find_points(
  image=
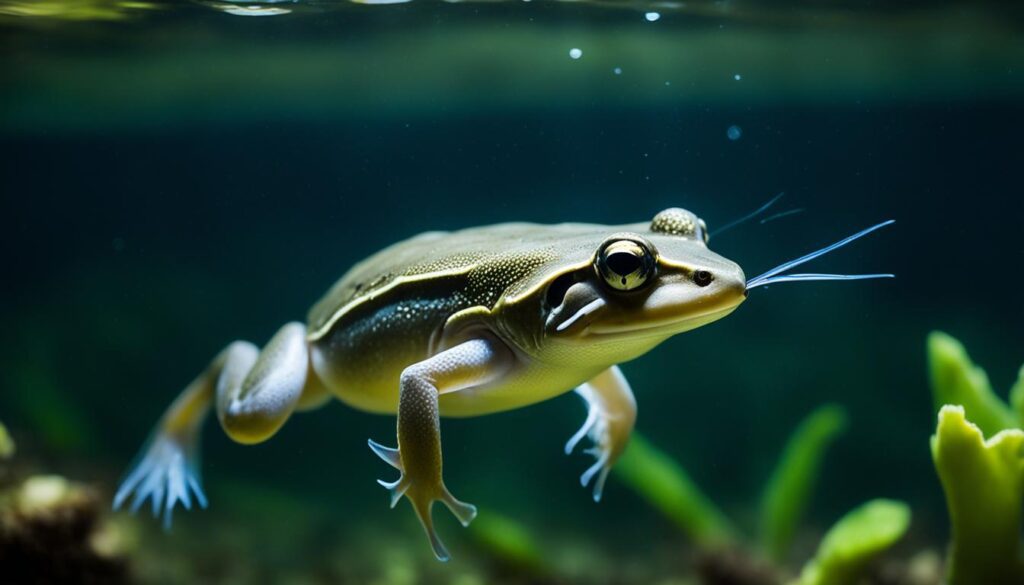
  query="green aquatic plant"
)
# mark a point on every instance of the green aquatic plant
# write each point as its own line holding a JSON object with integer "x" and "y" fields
{"x": 955, "y": 379}
{"x": 983, "y": 480}
{"x": 509, "y": 542}
{"x": 662, "y": 482}
{"x": 39, "y": 397}
{"x": 6, "y": 443}
{"x": 984, "y": 486}
{"x": 789, "y": 489}
{"x": 853, "y": 542}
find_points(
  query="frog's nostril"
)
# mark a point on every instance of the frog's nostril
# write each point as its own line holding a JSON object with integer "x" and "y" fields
{"x": 702, "y": 277}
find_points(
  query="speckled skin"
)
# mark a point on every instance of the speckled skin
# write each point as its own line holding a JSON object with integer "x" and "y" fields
{"x": 464, "y": 324}
{"x": 494, "y": 318}
{"x": 417, "y": 297}
{"x": 460, "y": 324}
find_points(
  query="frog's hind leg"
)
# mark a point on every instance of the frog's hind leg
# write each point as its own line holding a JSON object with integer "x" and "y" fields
{"x": 611, "y": 414}
{"x": 166, "y": 470}
{"x": 258, "y": 390}
{"x": 418, "y": 456}
{"x": 255, "y": 393}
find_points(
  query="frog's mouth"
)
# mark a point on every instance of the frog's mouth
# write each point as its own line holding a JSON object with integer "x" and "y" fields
{"x": 656, "y": 328}
{"x": 669, "y": 309}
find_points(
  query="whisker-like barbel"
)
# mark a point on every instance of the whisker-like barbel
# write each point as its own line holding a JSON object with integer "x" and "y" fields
{"x": 538, "y": 310}
{"x": 748, "y": 216}
{"x": 775, "y": 274}
{"x": 800, "y": 277}
{"x": 781, "y": 215}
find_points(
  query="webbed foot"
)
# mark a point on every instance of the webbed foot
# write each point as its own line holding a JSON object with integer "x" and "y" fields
{"x": 422, "y": 495}
{"x": 166, "y": 474}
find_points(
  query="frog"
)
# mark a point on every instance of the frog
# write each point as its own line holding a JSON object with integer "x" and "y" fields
{"x": 464, "y": 324}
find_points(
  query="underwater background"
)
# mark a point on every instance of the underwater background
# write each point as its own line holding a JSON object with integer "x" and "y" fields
{"x": 175, "y": 176}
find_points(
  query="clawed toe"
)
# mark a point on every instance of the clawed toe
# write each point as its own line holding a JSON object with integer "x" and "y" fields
{"x": 389, "y": 455}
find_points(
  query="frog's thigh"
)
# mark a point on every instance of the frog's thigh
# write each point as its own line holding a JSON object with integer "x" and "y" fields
{"x": 258, "y": 390}
{"x": 611, "y": 414}
{"x": 469, "y": 364}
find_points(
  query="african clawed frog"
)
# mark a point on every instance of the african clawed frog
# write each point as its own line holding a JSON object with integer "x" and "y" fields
{"x": 462, "y": 324}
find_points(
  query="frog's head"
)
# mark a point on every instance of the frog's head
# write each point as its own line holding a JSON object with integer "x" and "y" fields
{"x": 642, "y": 285}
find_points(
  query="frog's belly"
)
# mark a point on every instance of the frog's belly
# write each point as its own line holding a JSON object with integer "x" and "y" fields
{"x": 376, "y": 389}
{"x": 528, "y": 383}
{"x": 361, "y": 364}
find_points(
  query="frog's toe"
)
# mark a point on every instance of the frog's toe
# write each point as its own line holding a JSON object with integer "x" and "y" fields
{"x": 588, "y": 425}
{"x": 423, "y": 504}
{"x": 388, "y": 454}
{"x": 600, "y": 469}
{"x": 391, "y": 456}
{"x": 422, "y": 495}
{"x": 167, "y": 475}
{"x": 463, "y": 511}
{"x": 396, "y": 489}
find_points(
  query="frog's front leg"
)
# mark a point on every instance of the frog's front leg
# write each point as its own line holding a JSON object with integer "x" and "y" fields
{"x": 470, "y": 364}
{"x": 611, "y": 414}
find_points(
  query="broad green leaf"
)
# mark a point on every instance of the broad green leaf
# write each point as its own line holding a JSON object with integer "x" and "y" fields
{"x": 1017, "y": 398}
{"x": 984, "y": 486}
{"x": 956, "y": 380}
{"x": 853, "y": 542}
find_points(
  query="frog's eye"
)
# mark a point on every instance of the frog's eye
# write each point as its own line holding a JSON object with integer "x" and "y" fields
{"x": 625, "y": 264}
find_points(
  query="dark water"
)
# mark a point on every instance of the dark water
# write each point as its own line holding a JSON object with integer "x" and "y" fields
{"x": 180, "y": 177}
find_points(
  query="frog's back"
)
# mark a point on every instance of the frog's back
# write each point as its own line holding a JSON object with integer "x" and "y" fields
{"x": 478, "y": 265}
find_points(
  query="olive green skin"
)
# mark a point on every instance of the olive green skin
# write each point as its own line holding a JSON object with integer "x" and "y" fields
{"x": 426, "y": 294}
